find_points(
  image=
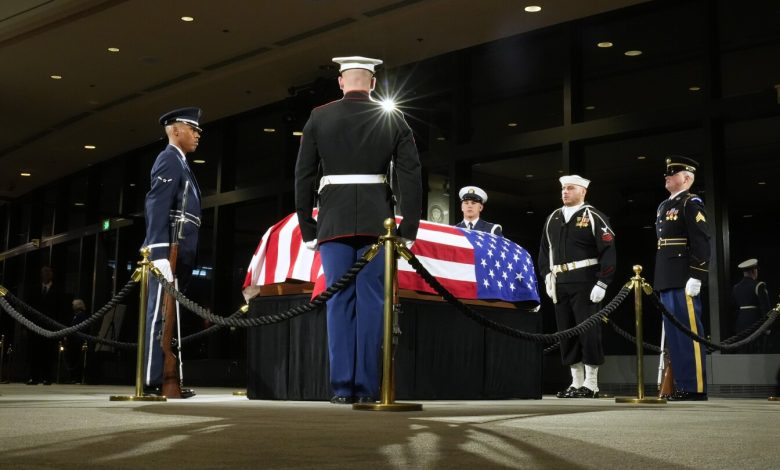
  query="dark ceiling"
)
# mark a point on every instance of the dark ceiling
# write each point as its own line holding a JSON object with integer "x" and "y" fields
{"x": 236, "y": 55}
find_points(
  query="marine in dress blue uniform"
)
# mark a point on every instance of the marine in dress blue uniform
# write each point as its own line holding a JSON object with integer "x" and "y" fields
{"x": 577, "y": 259}
{"x": 472, "y": 201}
{"x": 681, "y": 267}
{"x": 170, "y": 176}
{"x": 353, "y": 141}
{"x": 751, "y": 299}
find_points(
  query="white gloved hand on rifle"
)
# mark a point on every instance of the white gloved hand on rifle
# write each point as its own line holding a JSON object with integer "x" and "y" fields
{"x": 597, "y": 294}
{"x": 165, "y": 268}
{"x": 549, "y": 285}
{"x": 311, "y": 244}
{"x": 692, "y": 287}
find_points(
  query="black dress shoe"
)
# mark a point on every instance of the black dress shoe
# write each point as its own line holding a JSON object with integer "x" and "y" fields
{"x": 365, "y": 400}
{"x": 566, "y": 393}
{"x": 584, "y": 392}
{"x": 187, "y": 393}
{"x": 682, "y": 395}
{"x": 340, "y": 400}
{"x": 32, "y": 382}
{"x": 152, "y": 391}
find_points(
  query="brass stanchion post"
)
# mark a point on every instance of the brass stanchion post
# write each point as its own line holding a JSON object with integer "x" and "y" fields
{"x": 2, "y": 357}
{"x": 638, "y": 283}
{"x": 242, "y": 393}
{"x": 141, "y": 275}
{"x": 60, "y": 350}
{"x": 387, "y": 394}
{"x": 84, "y": 349}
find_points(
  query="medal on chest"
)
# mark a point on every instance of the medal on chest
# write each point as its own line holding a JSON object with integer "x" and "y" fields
{"x": 582, "y": 222}
{"x": 672, "y": 214}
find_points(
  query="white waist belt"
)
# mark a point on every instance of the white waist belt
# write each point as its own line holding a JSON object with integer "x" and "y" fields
{"x": 351, "y": 179}
{"x": 562, "y": 268}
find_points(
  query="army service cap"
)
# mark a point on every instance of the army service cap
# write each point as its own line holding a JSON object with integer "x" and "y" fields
{"x": 676, "y": 164}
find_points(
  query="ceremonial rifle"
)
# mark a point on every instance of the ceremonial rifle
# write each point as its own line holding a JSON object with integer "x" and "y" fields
{"x": 171, "y": 382}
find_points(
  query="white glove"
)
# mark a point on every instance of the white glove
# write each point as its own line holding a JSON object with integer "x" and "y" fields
{"x": 549, "y": 285}
{"x": 537, "y": 308}
{"x": 165, "y": 268}
{"x": 692, "y": 287}
{"x": 409, "y": 243}
{"x": 597, "y": 294}
{"x": 311, "y": 244}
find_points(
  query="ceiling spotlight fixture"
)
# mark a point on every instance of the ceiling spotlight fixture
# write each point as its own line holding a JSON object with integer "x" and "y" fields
{"x": 55, "y": 77}
{"x": 694, "y": 88}
{"x": 269, "y": 129}
{"x": 90, "y": 147}
{"x": 199, "y": 162}
{"x": 298, "y": 133}
{"x": 533, "y": 9}
{"x": 78, "y": 204}
{"x": 187, "y": 19}
{"x": 605, "y": 44}
{"x": 747, "y": 216}
{"x": 529, "y": 212}
{"x": 113, "y": 49}
{"x": 24, "y": 173}
{"x": 590, "y": 108}
{"x": 511, "y": 124}
{"x": 761, "y": 183}
{"x": 641, "y": 157}
{"x": 440, "y": 138}
{"x": 132, "y": 185}
{"x": 632, "y": 53}
{"x": 529, "y": 176}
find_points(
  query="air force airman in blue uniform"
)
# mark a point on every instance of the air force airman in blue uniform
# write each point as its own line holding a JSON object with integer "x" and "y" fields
{"x": 472, "y": 201}
{"x": 172, "y": 182}
{"x": 681, "y": 266}
{"x": 353, "y": 141}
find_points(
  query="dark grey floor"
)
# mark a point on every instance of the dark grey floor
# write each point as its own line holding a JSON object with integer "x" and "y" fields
{"x": 73, "y": 426}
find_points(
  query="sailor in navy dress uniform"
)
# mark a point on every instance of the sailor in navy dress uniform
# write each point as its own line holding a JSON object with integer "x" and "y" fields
{"x": 751, "y": 299}
{"x": 170, "y": 176}
{"x": 577, "y": 260}
{"x": 472, "y": 201}
{"x": 681, "y": 267}
{"x": 354, "y": 141}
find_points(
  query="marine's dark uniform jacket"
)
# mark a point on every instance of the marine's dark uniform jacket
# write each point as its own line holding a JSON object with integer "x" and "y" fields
{"x": 750, "y": 294}
{"x": 483, "y": 226}
{"x": 355, "y": 136}
{"x": 587, "y": 235}
{"x": 163, "y": 205}
{"x": 683, "y": 242}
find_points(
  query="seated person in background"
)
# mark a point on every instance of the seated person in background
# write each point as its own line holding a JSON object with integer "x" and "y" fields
{"x": 472, "y": 202}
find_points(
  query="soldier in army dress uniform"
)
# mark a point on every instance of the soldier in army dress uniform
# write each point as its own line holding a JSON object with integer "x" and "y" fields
{"x": 681, "y": 267}
{"x": 353, "y": 141}
{"x": 170, "y": 178}
{"x": 577, "y": 260}
{"x": 472, "y": 201}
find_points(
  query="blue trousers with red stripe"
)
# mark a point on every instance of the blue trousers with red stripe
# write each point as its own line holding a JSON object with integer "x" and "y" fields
{"x": 354, "y": 318}
{"x": 688, "y": 357}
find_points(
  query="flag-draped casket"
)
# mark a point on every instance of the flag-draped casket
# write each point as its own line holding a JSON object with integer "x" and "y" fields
{"x": 468, "y": 263}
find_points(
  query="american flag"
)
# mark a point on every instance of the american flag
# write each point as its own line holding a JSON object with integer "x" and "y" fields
{"x": 468, "y": 263}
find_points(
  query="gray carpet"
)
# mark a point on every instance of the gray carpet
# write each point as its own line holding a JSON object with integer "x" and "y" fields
{"x": 73, "y": 426}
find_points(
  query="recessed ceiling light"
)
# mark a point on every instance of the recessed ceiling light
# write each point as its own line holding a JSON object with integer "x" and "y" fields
{"x": 440, "y": 138}
{"x": 79, "y": 204}
{"x": 187, "y": 19}
{"x": 529, "y": 176}
{"x": 90, "y": 147}
{"x": 132, "y": 185}
{"x": 269, "y": 129}
{"x": 24, "y": 173}
{"x": 590, "y": 108}
{"x": 511, "y": 124}
{"x": 632, "y": 53}
{"x": 199, "y": 161}
{"x": 648, "y": 226}
{"x": 298, "y": 133}
{"x": 762, "y": 183}
{"x": 641, "y": 157}
{"x": 533, "y": 9}
{"x": 529, "y": 212}
{"x": 56, "y": 77}
{"x": 694, "y": 88}
{"x": 630, "y": 200}
{"x": 605, "y": 44}
{"x": 747, "y": 216}
{"x": 113, "y": 49}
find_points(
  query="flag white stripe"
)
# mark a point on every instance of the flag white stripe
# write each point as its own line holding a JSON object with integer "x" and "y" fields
{"x": 443, "y": 238}
{"x": 442, "y": 269}
{"x": 283, "y": 254}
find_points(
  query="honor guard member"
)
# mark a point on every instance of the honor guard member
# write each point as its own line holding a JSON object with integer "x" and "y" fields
{"x": 577, "y": 259}
{"x": 472, "y": 201}
{"x": 353, "y": 141}
{"x": 170, "y": 178}
{"x": 751, "y": 298}
{"x": 681, "y": 263}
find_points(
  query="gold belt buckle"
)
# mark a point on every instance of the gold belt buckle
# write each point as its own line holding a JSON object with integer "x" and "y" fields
{"x": 564, "y": 267}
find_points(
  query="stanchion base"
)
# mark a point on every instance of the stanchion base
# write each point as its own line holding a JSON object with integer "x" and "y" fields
{"x": 641, "y": 401}
{"x": 239, "y": 393}
{"x": 774, "y": 398}
{"x": 608, "y": 396}
{"x": 136, "y": 398}
{"x": 387, "y": 406}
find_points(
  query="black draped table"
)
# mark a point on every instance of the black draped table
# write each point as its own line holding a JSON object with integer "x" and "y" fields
{"x": 441, "y": 353}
